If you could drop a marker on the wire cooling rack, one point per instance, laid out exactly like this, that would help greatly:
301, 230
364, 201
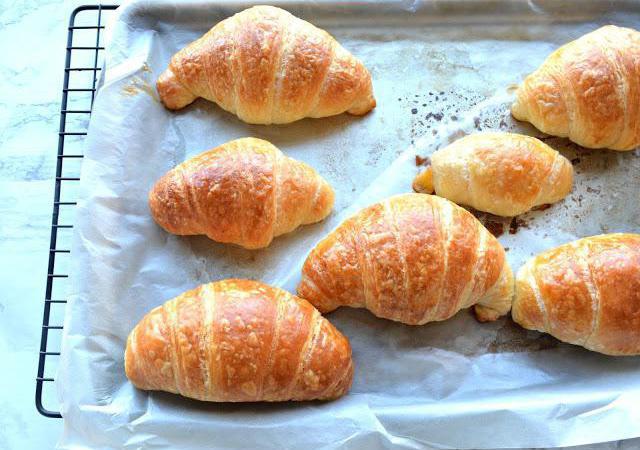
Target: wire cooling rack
83, 61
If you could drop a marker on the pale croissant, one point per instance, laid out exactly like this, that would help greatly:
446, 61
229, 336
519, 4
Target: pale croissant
504, 174
239, 341
244, 192
412, 258
585, 293
588, 90
267, 66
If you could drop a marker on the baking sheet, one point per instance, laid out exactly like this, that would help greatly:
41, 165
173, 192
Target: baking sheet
441, 70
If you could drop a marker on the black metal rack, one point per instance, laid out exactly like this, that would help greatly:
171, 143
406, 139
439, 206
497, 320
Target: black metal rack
85, 24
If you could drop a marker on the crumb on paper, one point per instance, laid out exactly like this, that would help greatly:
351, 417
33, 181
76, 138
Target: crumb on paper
494, 224
593, 190
495, 228
423, 161
516, 224
512, 88
137, 85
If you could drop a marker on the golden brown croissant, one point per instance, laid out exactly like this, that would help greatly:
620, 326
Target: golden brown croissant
267, 66
588, 90
412, 258
244, 192
586, 293
239, 341
502, 173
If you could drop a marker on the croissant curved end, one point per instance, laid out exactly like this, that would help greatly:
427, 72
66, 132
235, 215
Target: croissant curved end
308, 290
172, 92
323, 203
166, 205
518, 109
131, 367
498, 299
363, 106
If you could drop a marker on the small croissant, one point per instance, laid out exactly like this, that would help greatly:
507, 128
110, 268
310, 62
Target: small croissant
412, 258
588, 90
268, 67
239, 341
505, 174
244, 192
586, 292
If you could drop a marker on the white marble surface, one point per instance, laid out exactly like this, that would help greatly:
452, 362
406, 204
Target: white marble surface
32, 41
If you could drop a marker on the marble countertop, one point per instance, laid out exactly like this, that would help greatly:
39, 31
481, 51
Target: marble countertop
32, 42
32, 39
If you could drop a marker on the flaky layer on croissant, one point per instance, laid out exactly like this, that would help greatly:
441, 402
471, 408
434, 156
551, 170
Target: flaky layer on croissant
501, 173
244, 192
239, 341
585, 293
588, 90
267, 66
412, 258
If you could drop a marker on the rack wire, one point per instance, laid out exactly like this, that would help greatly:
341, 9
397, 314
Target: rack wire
81, 70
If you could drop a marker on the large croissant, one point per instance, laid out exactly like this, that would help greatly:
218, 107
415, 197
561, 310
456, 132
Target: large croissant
588, 90
586, 293
412, 258
244, 192
267, 66
502, 173
239, 341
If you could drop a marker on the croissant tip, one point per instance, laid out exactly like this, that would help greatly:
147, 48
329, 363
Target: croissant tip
361, 110
173, 94
484, 314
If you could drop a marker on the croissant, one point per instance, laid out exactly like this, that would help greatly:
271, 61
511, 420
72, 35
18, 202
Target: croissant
588, 90
585, 293
239, 341
267, 66
412, 258
244, 192
501, 173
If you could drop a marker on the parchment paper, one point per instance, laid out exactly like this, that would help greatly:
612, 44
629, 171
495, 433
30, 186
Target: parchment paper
441, 70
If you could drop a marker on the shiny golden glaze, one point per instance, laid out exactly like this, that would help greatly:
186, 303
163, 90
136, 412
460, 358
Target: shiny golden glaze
267, 66
412, 258
244, 192
236, 341
586, 293
588, 90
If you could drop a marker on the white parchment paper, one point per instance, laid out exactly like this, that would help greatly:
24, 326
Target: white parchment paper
441, 70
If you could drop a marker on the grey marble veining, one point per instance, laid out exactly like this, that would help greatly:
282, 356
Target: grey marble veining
32, 41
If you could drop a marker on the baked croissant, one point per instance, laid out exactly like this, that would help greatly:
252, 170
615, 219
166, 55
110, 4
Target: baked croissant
412, 258
267, 66
244, 192
585, 293
501, 173
239, 341
588, 90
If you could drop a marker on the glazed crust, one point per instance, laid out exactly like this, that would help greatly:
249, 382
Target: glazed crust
588, 90
585, 293
267, 66
239, 341
504, 174
244, 192
412, 258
